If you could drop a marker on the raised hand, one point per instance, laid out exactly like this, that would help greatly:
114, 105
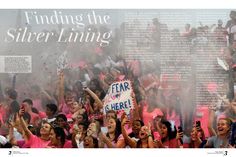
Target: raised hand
22, 111
124, 121
179, 135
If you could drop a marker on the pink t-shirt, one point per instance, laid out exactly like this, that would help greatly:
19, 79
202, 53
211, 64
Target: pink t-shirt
65, 109
149, 116
36, 142
1, 118
34, 119
38, 104
68, 144
3, 113
171, 143
42, 115
22, 144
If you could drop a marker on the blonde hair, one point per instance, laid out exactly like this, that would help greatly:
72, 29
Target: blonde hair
229, 121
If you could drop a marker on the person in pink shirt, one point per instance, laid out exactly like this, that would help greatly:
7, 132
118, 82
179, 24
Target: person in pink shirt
65, 99
33, 141
94, 106
58, 138
1, 117
67, 102
38, 104
169, 138
3, 112
27, 103
75, 110
112, 139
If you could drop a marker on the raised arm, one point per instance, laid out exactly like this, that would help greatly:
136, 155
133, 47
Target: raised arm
94, 96
61, 100
136, 115
106, 140
43, 92
132, 143
150, 139
12, 138
211, 130
23, 124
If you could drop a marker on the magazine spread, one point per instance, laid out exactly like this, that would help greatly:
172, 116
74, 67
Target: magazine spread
118, 78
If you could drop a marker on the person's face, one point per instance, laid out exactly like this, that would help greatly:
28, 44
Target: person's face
81, 128
75, 129
61, 122
75, 107
233, 106
53, 137
45, 129
194, 134
164, 131
80, 118
91, 129
69, 99
110, 115
26, 106
143, 132
48, 112
92, 85
222, 127
136, 127
88, 142
111, 125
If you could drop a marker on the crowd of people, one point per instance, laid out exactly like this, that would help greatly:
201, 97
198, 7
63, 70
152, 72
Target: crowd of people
67, 112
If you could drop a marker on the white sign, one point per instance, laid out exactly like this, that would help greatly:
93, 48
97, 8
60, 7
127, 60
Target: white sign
119, 97
15, 64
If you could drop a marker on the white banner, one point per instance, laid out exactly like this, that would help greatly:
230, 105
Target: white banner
119, 97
